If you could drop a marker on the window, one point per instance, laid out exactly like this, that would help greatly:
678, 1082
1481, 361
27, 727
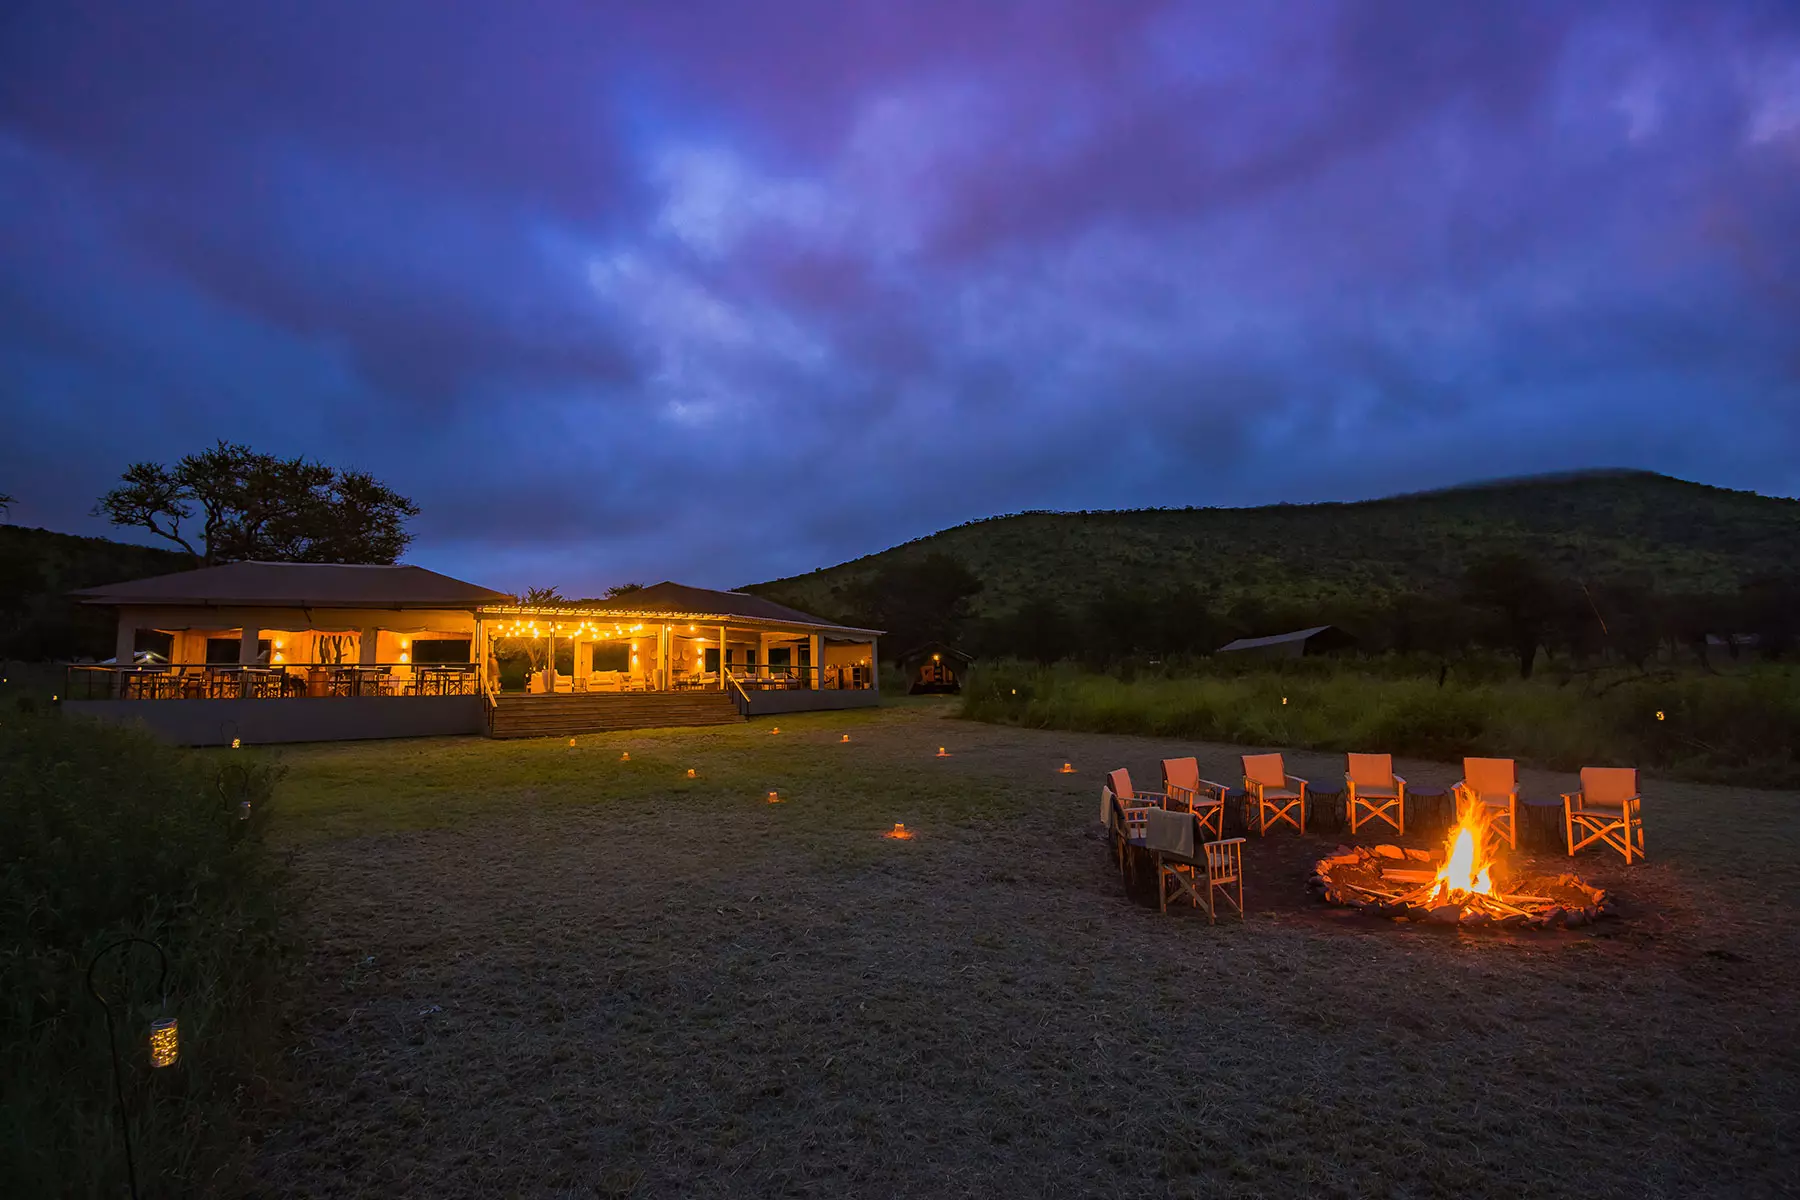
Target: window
712, 662
220, 650
154, 641
780, 657
612, 656
440, 650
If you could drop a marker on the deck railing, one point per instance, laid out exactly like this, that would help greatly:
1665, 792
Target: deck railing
230, 681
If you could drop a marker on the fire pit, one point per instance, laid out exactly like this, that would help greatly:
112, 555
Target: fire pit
1468, 887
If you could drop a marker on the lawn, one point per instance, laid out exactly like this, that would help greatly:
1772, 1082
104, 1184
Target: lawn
536, 970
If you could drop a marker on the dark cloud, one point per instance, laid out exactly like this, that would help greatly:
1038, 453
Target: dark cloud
723, 291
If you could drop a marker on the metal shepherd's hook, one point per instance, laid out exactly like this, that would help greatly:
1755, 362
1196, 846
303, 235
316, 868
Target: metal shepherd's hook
112, 1040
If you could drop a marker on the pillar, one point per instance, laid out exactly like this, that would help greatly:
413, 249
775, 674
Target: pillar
875, 664
368, 650
816, 646
247, 645
123, 649
724, 675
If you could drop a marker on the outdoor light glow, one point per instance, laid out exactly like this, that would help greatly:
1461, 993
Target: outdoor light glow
943, 753
243, 810
935, 658
774, 797
899, 832
1659, 715
571, 742
625, 757
165, 1042
845, 738
235, 743
775, 730
1068, 768
690, 772
1284, 699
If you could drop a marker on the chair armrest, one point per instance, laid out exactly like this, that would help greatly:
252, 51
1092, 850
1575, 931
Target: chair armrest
1298, 780
1220, 788
1399, 783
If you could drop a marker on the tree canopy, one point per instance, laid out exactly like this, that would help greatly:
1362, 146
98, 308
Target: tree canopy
258, 506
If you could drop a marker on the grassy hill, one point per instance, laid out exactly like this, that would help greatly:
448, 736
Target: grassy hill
1596, 526
39, 568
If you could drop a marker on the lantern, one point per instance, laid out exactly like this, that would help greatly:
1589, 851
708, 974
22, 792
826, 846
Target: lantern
690, 772
625, 757
243, 810
236, 743
943, 753
165, 1042
845, 738
775, 731
571, 743
774, 797
1068, 768
899, 832
1659, 715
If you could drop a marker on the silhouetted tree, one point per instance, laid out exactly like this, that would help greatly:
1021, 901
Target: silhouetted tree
1521, 599
257, 506
622, 589
1771, 609
916, 601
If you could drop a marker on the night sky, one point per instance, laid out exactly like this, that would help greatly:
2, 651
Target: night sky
723, 292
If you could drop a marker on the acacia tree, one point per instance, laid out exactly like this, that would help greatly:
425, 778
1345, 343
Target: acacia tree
6, 502
257, 506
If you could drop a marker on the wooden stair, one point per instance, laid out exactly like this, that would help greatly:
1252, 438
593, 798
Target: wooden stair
602, 712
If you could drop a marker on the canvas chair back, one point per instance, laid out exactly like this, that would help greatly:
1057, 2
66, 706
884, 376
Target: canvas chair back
1170, 833
1372, 771
1265, 769
1607, 787
1490, 776
1120, 783
1182, 773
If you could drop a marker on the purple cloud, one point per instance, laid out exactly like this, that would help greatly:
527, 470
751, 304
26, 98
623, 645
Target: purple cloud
725, 291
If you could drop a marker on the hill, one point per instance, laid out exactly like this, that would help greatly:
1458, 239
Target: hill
38, 568
1595, 526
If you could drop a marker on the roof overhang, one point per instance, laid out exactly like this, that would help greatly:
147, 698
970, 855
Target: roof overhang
620, 615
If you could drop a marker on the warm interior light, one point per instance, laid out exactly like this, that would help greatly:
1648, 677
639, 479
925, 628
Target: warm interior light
165, 1042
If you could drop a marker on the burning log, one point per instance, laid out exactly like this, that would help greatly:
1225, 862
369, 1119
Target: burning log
1466, 888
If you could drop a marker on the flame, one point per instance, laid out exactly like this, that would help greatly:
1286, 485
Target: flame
1467, 869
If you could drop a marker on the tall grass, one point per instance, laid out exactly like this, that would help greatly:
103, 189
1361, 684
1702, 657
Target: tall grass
1741, 728
107, 833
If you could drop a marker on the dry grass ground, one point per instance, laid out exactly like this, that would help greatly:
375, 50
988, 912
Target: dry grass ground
536, 971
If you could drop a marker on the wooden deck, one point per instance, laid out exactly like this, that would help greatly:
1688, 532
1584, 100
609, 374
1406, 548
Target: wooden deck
601, 712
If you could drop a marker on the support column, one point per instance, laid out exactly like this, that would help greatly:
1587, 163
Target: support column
816, 644
247, 645
368, 651
724, 674
124, 649
875, 665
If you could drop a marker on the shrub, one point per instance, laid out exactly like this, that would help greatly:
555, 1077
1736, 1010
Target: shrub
108, 833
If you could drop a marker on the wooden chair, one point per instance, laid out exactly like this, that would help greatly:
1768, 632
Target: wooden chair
1374, 792
1279, 796
1127, 810
1202, 797
1218, 867
1606, 810
1494, 784
1224, 875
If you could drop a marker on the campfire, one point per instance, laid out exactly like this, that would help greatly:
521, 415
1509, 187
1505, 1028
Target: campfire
1470, 886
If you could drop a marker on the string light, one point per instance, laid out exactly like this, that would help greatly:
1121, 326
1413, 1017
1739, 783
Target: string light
165, 1042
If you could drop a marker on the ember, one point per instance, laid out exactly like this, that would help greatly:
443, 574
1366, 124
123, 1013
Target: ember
1467, 888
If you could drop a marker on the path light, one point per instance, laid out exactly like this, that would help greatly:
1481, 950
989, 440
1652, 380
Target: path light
165, 1042
690, 772
943, 753
243, 810
774, 797
845, 738
1284, 699
899, 832
1659, 715
1068, 769
237, 743
1015, 691
625, 757
571, 743
775, 731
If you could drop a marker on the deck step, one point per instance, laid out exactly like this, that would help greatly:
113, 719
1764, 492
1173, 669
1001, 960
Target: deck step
567, 715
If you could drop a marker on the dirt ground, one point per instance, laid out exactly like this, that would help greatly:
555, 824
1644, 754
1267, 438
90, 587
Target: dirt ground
534, 970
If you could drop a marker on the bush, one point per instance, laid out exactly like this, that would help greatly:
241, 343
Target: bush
107, 834
1724, 728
